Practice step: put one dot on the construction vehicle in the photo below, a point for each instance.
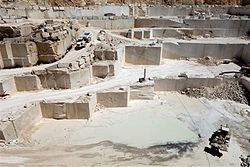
(80, 43)
(144, 76)
(219, 141)
(183, 75)
(245, 161)
(86, 36)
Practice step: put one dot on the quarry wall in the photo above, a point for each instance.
(198, 50)
(43, 12)
(143, 55)
(182, 32)
(155, 22)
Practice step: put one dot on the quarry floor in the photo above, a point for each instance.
(162, 131)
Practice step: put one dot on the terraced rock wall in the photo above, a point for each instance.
(92, 2)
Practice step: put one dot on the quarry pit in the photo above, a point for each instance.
(123, 85)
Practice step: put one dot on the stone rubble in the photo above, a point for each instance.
(230, 90)
(208, 61)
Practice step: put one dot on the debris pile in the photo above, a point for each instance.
(219, 141)
(105, 48)
(220, 138)
(231, 91)
(227, 91)
(109, 39)
(208, 61)
(196, 92)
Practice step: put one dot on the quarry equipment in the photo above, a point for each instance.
(144, 76)
(245, 162)
(86, 36)
(219, 141)
(244, 71)
(184, 75)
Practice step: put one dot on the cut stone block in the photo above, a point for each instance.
(7, 86)
(27, 83)
(113, 98)
(143, 55)
(100, 70)
(82, 108)
(7, 131)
